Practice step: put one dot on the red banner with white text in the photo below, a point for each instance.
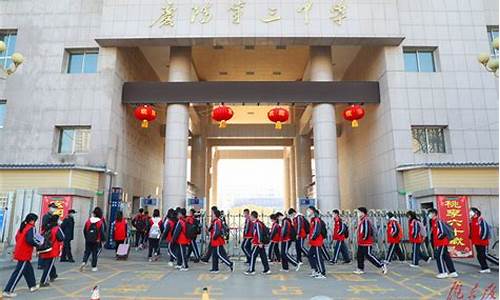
(454, 210)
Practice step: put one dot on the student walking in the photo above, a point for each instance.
(480, 237)
(316, 240)
(68, 228)
(217, 244)
(193, 246)
(26, 240)
(416, 235)
(154, 234)
(140, 223)
(275, 235)
(168, 231)
(301, 227)
(340, 233)
(56, 237)
(180, 237)
(52, 208)
(260, 238)
(246, 244)
(119, 230)
(208, 254)
(365, 242)
(394, 234)
(440, 241)
(287, 236)
(94, 232)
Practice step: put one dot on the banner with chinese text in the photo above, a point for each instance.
(454, 210)
(63, 204)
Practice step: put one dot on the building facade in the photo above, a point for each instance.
(67, 127)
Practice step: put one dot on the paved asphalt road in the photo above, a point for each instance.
(138, 279)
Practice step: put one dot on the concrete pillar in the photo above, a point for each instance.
(286, 178)
(325, 136)
(176, 134)
(215, 167)
(302, 145)
(198, 164)
(293, 180)
(208, 180)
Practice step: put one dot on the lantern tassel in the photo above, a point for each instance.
(144, 124)
(278, 125)
(355, 123)
(222, 124)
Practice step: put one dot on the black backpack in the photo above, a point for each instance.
(46, 246)
(346, 230)
(197, 225)
(140, 224)
(92, 233)
(190, 231)
(293, 232)
(307, 226)
(324, 232)
(266, 236)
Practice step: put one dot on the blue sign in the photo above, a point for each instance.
(114, 207)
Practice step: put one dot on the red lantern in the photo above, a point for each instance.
(222, 114)
(278, 115)
(354, 113)
(145, 113)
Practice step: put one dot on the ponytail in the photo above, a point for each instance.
(30, 217)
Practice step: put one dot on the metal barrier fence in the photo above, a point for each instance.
(236, 223)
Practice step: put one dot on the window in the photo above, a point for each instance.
(493, 34)
(419, 60)
(9, 38)
(428, 139)
(3, 111)
(74, 140)
(82, 61)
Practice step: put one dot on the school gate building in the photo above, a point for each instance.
(68, 131)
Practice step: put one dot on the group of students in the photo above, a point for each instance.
(180, 231)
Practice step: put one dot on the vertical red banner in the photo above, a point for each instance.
(63, 204)
(454, 210)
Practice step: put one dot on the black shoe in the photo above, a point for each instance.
(44, 284)
(196, 261)
(63, 260)
(53, 278)
(71, 260)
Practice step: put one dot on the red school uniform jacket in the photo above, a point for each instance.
(258, 231)
(216, 237)
(394, 232)
(24, 243)
(414, 232)
(180, 233)
(57, 237)
(286, 230)
(365, 236)
(275, 233)
(315, 237)
(120, 230)
(439, 238)
(338, 229)
(479, 231)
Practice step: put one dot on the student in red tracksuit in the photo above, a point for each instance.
(287, 237)
(26, 240)
(182, 240)
(365, 242)
(316, 240)
(416, 238)
(49, 258)
(394, 234)
(275, 235)
(480, 237)
(94, 232)
(193, 247)
(340, 232)
(119, 230)
(246, 245)
(217, 243)
(168, 230)
(301, 228)
(258, 247)
(440, 241)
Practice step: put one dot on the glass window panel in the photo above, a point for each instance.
(11, 44)
(3, 111)
(75, 63)
(90, 63)
(419, 140)
(435, 137)
(82, 140)
(411, 64)
(426, 61)
(66, 141)
(493, 34)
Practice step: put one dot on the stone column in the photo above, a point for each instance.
(208, 180)
(325, 135)
(176, 134)
(286, 178)
(302, 145)
(215, 167)
(198, 164)
(293, 180)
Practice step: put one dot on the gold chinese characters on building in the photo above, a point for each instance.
(203, 13)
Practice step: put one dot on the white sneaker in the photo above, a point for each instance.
(34, 288)
(285, 271)
(384, 269)
(178, 267)
(214, 271)
(94, 269)
(485, 271)
(453, 275)
(9, 295)
(249, 273)
(442, 276)
(184, 269)
(82, 265)
(414, 266)
(358, 271)
(268, 272)
(320, 276)
(297, 268)
(170, 264)
(428, 260)
(313, 274)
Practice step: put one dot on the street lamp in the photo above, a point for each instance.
(17, 60)
(490, 63)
